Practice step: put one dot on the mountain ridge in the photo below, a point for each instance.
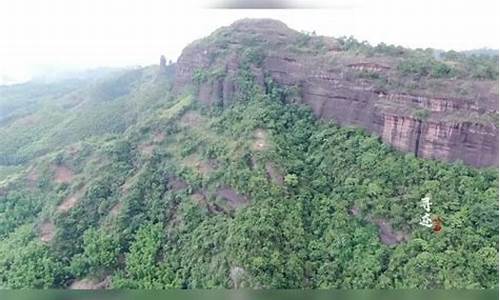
(441, 113)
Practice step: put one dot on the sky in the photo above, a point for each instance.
(45, 36)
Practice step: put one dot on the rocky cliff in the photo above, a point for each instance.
(451, 118)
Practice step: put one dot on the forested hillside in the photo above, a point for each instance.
(118, 183)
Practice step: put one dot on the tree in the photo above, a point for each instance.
(31, 265)
(291, 180)
(142, 269)
(100, 255)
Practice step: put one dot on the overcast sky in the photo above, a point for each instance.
(38, 34)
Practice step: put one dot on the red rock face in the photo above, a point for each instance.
(452, 127)
(400, 132)
(474, 144)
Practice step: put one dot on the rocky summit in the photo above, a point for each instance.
(435, 106)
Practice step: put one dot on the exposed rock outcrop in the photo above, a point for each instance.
(163, 64)
(433, 121)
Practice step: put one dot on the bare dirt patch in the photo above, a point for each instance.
(191, 119)
(67, 204)
(158, 137)
(206, 167)
(388, 235)
(146, 149)
(199, 198)
(28, 121)
(260, 140)
(63, 174)
(90, 284)
(116, 209)
(70, 201)
(203, 167)
(47, 231)
(234, 199)
(32, 175)
(274, 174)
(32, 178)
(176, 184)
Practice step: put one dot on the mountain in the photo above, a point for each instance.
(482, 51)
(232, 169)
(446, 109)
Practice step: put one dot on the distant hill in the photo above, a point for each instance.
(481, 51)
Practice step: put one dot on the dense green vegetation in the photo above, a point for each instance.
(431, 63)
(151, 174)
(85, 110)
(414, 63)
